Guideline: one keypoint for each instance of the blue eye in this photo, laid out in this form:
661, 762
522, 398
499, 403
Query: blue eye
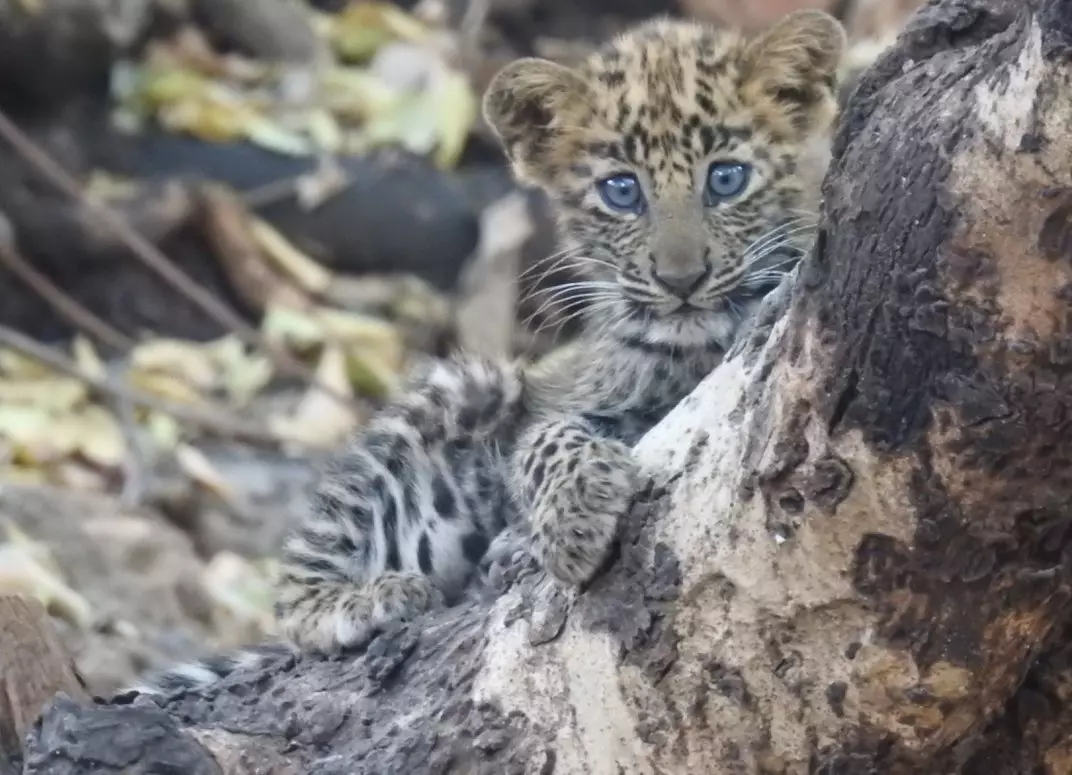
726, 179
622, 192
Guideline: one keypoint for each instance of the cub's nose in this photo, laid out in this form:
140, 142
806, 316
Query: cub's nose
682, 281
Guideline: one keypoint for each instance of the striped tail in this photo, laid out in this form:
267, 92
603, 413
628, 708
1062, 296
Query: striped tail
201, 674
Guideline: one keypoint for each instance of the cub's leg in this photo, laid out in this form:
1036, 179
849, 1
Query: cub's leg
399, 521
573, 486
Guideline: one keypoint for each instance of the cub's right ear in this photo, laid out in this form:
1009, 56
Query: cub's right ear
533, 105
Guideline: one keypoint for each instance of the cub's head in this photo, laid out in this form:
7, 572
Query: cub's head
684, 162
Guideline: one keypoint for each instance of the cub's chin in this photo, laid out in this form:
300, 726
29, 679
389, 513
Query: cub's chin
685, 327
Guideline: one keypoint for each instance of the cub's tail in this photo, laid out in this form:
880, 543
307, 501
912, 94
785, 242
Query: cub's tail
203, 673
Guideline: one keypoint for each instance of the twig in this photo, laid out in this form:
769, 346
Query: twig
472, 25
207, 417
152, 257
62, 302
135, 462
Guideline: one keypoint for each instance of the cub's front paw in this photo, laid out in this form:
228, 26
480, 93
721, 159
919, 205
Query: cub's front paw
401, 597
575, 518
326, 618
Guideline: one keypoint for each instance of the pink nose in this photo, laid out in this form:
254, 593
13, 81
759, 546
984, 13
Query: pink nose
682, 282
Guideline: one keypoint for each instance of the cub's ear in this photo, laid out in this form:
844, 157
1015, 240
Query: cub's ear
795, 63
533, 105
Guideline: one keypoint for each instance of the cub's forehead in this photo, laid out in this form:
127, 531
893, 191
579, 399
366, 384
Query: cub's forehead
668, 93
667, 71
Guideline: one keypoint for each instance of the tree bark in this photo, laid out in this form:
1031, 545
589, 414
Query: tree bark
856, 557
33, 667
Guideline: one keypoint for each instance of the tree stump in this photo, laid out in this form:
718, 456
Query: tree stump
33, 667
856, 557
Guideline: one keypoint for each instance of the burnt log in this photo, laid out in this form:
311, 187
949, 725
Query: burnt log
855, 556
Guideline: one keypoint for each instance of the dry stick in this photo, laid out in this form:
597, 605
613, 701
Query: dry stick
62, 302
204, 417
151, 256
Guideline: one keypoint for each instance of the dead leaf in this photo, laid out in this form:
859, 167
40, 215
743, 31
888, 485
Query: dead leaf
28, 567
198, 467
310, 276
85, 355
52, 394
322, 420
363, 27
96, 435
187, 361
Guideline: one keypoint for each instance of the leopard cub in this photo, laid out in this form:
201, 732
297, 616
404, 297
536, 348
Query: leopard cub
684, 164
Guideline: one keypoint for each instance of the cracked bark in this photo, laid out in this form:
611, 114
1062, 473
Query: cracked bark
857, 556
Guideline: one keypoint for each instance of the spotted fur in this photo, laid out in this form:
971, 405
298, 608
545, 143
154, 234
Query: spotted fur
478, 454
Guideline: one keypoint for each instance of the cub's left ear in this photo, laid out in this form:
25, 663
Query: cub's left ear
796, 63
535, 106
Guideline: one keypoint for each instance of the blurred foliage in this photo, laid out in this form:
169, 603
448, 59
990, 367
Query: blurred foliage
388, 82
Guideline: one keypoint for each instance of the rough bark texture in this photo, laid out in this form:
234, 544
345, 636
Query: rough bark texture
33, 667
856, 556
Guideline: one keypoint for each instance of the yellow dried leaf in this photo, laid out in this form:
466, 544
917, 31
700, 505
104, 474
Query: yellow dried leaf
28, 567
324, 131
310, 276
52, 394
159, 87
212, 120
242, 374
15, 364
375, 338
189, 361
274, 137
373, 350
24, 476
199, 468
362, 27
411, 123
164, 430
455, 107
357, 95
85, 355
321, 420
246, 376
291, 329
25, 428
368, 376
165, 386
97, 436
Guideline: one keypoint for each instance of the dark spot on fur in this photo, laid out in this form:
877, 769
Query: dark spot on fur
424, 554
390, 533
443, 498
468, 418
473, 547
537, 477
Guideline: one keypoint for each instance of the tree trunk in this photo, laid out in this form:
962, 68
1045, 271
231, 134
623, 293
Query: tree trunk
856, 558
